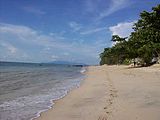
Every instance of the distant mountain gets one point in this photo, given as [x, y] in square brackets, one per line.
[66, 63]
[6, 63]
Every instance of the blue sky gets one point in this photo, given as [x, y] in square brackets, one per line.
[65, 30]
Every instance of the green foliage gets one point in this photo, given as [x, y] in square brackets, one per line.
[126, 61]
[143, 43]
[116, 54]
[116, 38]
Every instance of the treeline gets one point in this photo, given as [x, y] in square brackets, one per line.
[143, 45]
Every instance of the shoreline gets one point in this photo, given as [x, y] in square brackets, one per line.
[53, 102]
[78, 92]
[111, 92]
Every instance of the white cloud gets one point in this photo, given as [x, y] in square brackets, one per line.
[24, 34]
[54, 57]
[57, 36]
[22, 43]
[122, 29]
[104, 8]
[75, 26]
[9, 47]
[16, 29]
[91, 31]
[25, 40]
[9, 51]
[114, 6]
[85, 30]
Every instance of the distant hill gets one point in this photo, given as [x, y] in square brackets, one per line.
[9, 63]
[66, 63]
[6, 63]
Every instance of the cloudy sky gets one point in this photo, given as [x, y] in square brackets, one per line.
[64, 30]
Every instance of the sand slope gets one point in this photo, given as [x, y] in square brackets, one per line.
[112, 93]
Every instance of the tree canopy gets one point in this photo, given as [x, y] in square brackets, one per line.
[143, 43]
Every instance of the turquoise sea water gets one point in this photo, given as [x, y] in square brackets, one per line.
[26, 90]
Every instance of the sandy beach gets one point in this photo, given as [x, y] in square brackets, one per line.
[111, 93]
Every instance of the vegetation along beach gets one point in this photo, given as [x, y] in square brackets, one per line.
[80, 60]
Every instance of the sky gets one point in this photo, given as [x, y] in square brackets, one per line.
[64, 30]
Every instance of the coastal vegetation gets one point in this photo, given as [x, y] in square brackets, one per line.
[142, 46]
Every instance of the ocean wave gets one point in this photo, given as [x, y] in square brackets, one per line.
[30, 107]
[34, 95]
[83, 70]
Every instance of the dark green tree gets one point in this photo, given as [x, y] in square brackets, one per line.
[143, 43]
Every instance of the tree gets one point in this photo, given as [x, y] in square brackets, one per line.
[116, 54]
[146, 38]
[143, 43]
[116, 38]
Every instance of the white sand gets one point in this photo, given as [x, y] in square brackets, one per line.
[112, 93]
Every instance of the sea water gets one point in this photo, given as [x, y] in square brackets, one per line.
[27, 90]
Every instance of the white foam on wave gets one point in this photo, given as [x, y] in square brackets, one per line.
[49, 107]
[83, 70]
[77, 85]
[30, 107]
